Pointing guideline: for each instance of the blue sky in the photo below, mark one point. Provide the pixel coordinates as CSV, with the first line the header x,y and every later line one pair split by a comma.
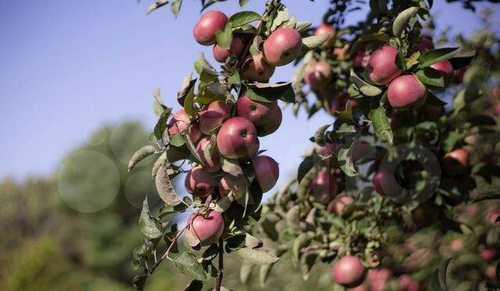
x,y
67,67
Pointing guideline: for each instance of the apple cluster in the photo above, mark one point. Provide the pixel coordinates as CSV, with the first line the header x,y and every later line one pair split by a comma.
x,y
227,131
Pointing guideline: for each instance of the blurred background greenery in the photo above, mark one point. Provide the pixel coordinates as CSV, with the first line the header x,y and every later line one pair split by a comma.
x,y
77,229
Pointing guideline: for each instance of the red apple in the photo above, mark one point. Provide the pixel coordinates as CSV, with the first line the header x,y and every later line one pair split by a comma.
x,y
266,172
384,182
339,204
221,54
327,149
324,186
329,31
256,69
199,182
378,278
229,183
444,68
318,74
493,217
383,65
460,156
181,124
213,117
237,139
405,91
361,59
208,229
282,46
348,271
265,116
491,273
338,104
209,155
406,283
209,24
425,43
489,255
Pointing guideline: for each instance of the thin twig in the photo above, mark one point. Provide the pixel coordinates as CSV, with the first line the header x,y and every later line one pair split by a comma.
x,y
220,275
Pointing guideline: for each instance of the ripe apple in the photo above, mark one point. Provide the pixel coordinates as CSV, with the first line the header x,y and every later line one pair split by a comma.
x,y
181,124
339,204
209,24
383,65
318,74
491,273
208,229
229,183
493,217
445,68
237,139
209,155
282,46
329,31
348,271
328,149
214,115
256,69
265,116
460,156
266,172
405,91
384,182
361,59
324,186
407,283
489,255
199,182
378,278
236,48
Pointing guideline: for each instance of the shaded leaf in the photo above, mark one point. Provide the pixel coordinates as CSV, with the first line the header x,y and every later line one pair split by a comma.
x,y
165,188
381,125
195,285
270,92
140,155
158,4
403,19
189,265
147,225
257,256
434,56
242,18
176,7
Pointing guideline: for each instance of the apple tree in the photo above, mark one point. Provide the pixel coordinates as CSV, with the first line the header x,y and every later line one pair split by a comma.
x,y
399,192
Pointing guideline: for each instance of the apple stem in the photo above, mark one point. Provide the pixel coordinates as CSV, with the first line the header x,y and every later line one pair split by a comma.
x,y
220,275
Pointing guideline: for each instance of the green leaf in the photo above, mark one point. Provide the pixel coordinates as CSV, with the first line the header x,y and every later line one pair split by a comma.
x,y
403,19
232,167
234,79
188,94
243,2
257,256
314,41
242,18
165,188
161,125
434,56
187,264
304,167
177,140
245,272
224,37
269,92
487,196
176,7
364,87
147,224
369,90
381,125
430,77
140,155
158,4
344,156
